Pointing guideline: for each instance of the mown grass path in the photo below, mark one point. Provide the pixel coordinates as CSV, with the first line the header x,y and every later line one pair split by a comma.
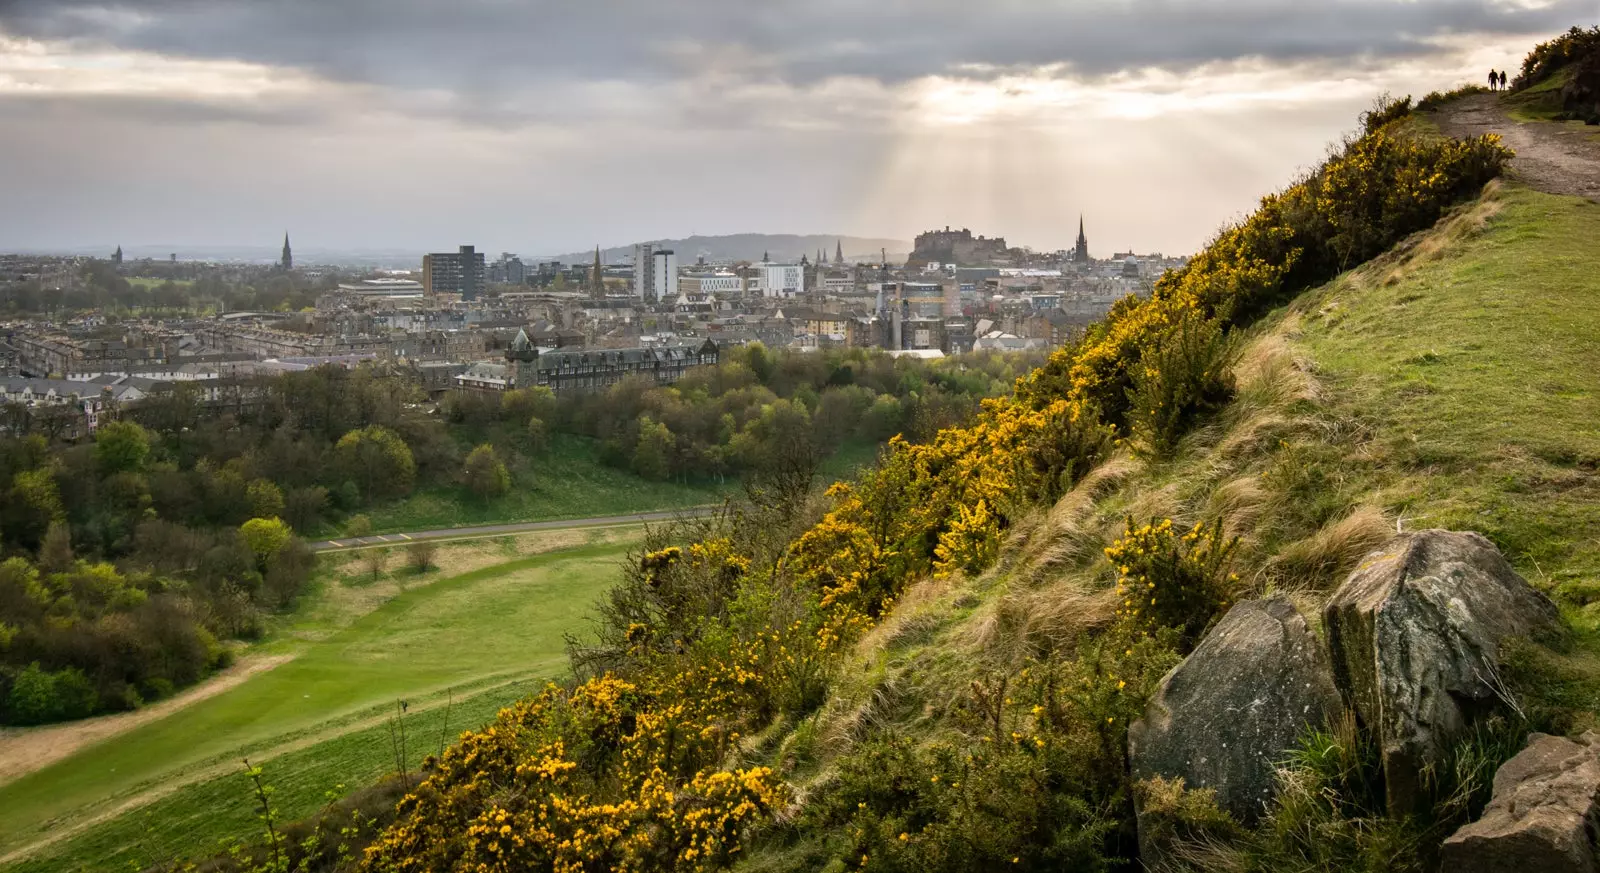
x,y
500,626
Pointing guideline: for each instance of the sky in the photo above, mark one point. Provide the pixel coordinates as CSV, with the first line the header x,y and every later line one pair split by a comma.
x,y
542,127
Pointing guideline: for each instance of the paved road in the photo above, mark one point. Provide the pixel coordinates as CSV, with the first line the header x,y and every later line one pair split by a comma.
x,y
491,530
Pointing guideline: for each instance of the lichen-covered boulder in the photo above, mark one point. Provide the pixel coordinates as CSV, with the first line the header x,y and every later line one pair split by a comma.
x,y
1414,638
1224,717
1544,815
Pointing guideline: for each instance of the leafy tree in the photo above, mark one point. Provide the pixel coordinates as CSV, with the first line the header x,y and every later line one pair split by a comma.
x,y
121,447
358,526
39,696
33,503
538,435
377,460
652,455
265,536
303,507
485,473
265,498
55,553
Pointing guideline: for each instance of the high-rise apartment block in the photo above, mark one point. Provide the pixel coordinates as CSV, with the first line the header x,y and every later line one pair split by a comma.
x,y
460,272
655,273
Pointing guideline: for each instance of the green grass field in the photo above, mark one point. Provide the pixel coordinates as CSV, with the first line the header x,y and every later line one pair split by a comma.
x,y
569,481
483,638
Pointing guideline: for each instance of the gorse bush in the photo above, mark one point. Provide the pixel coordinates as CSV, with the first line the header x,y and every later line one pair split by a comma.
x,y
1548,57
1188,373
1037,783
1384,110
1170,580
1435,99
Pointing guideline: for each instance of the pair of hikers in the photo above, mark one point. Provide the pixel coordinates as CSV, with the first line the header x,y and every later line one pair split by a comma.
x,y
1497,80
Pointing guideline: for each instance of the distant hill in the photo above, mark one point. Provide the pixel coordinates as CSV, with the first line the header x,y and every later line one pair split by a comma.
x,y
751,246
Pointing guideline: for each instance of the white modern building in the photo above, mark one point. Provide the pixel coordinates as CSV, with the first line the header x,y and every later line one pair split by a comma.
x,y
720,283
781,280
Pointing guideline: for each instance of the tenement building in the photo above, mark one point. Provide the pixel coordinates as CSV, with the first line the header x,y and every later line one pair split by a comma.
x,y
581,370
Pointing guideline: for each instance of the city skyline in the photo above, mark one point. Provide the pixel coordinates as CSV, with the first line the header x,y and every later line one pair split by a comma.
x,y
408,126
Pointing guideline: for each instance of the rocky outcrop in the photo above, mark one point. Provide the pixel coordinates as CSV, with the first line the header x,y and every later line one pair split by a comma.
x,y
1224,717
1414,636
1544,815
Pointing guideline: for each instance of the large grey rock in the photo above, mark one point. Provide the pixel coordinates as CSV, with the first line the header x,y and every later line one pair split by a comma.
x,y
1544,815
1414,637
1224,717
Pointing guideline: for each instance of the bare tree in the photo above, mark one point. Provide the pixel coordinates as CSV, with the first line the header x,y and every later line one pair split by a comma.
x,y
420,555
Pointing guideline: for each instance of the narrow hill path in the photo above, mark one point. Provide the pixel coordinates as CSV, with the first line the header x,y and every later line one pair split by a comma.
x,y
1556,158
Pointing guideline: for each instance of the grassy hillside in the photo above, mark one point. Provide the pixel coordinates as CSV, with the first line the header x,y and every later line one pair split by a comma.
x,y
471,641
1448,384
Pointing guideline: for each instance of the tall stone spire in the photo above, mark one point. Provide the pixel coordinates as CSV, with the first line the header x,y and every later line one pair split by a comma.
x,y
1080,252
596,274
116,256
838,251
286,263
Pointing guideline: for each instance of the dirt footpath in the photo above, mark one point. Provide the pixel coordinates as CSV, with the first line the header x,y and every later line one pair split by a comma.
x,y
1557,158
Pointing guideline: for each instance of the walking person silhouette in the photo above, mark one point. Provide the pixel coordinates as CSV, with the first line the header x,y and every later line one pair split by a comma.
x,y
1494,80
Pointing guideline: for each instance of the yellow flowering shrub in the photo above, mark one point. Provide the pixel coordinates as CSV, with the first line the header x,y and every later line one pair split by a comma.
x,y
970,542
600,778
1168,579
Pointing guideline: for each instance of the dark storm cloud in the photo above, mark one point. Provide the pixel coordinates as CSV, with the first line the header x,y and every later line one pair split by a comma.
x,y
502,46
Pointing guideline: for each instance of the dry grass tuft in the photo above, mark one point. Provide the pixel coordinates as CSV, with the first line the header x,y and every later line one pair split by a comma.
x,y
1238,503
1066,536
1320,561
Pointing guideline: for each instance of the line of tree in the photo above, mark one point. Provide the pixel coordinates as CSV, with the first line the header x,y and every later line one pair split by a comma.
x,y
740,415
132,558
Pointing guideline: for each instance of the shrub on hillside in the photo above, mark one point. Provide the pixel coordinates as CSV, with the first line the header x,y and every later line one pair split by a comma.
x,y
485,474
1036,781
40,696
1170,580
1185,375
1384,110
1548,57
1436,99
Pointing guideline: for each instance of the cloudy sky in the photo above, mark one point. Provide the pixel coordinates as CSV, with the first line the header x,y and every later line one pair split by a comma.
x,y
543,127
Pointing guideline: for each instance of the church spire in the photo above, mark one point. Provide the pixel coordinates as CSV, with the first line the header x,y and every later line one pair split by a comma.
x,y
1080,252
597,275
286,263
116,256
838,251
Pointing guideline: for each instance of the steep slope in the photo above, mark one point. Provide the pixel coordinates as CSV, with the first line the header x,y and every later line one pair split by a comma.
x,y
1446,384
